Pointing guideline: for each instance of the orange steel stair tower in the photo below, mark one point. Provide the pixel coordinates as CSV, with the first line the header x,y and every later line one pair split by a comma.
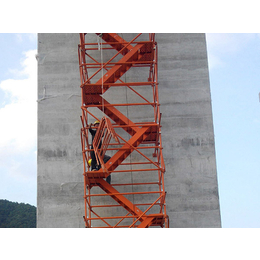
x,y
135,147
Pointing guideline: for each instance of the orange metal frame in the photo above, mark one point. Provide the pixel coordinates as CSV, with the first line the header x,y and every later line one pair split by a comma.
x,y
97,77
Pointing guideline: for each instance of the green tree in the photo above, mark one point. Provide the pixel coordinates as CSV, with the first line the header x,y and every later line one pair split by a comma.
x,y
17,215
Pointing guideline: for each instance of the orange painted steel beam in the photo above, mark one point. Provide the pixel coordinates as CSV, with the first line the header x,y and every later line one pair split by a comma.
x,y
116,115
147,222
116,42
124,202
136,54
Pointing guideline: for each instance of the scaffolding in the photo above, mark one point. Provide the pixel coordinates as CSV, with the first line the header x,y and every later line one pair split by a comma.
x,y
136,196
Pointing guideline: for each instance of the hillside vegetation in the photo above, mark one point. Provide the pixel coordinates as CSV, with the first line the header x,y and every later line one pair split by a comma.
x,y
17,215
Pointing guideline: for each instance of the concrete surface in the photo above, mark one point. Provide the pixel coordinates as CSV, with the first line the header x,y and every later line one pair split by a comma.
x,y
188,138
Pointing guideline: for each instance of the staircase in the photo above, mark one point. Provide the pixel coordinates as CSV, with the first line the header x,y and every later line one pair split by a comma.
x,y
142,135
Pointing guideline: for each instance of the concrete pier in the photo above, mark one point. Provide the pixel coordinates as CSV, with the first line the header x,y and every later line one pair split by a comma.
x,y
187,131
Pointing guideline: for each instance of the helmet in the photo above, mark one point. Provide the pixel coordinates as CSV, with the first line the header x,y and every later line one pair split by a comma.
x,y
96,122
89,162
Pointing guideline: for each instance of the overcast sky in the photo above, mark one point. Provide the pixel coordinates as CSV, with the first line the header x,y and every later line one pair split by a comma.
x,y
234,62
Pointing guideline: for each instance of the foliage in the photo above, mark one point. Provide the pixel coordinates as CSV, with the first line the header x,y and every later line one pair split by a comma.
x,y
17,215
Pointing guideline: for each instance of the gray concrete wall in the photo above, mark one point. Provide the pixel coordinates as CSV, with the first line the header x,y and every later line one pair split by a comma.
x,y
187,132
60,186
188,136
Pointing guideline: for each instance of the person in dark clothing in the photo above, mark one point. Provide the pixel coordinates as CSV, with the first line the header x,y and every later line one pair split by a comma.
x,y
106,159
94,165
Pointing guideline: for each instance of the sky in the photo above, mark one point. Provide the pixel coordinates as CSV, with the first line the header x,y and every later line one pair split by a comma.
x,y
18,117
234,68
234,64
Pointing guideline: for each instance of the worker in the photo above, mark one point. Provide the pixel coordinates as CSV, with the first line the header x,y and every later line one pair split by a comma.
x,y
94,165
106,158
